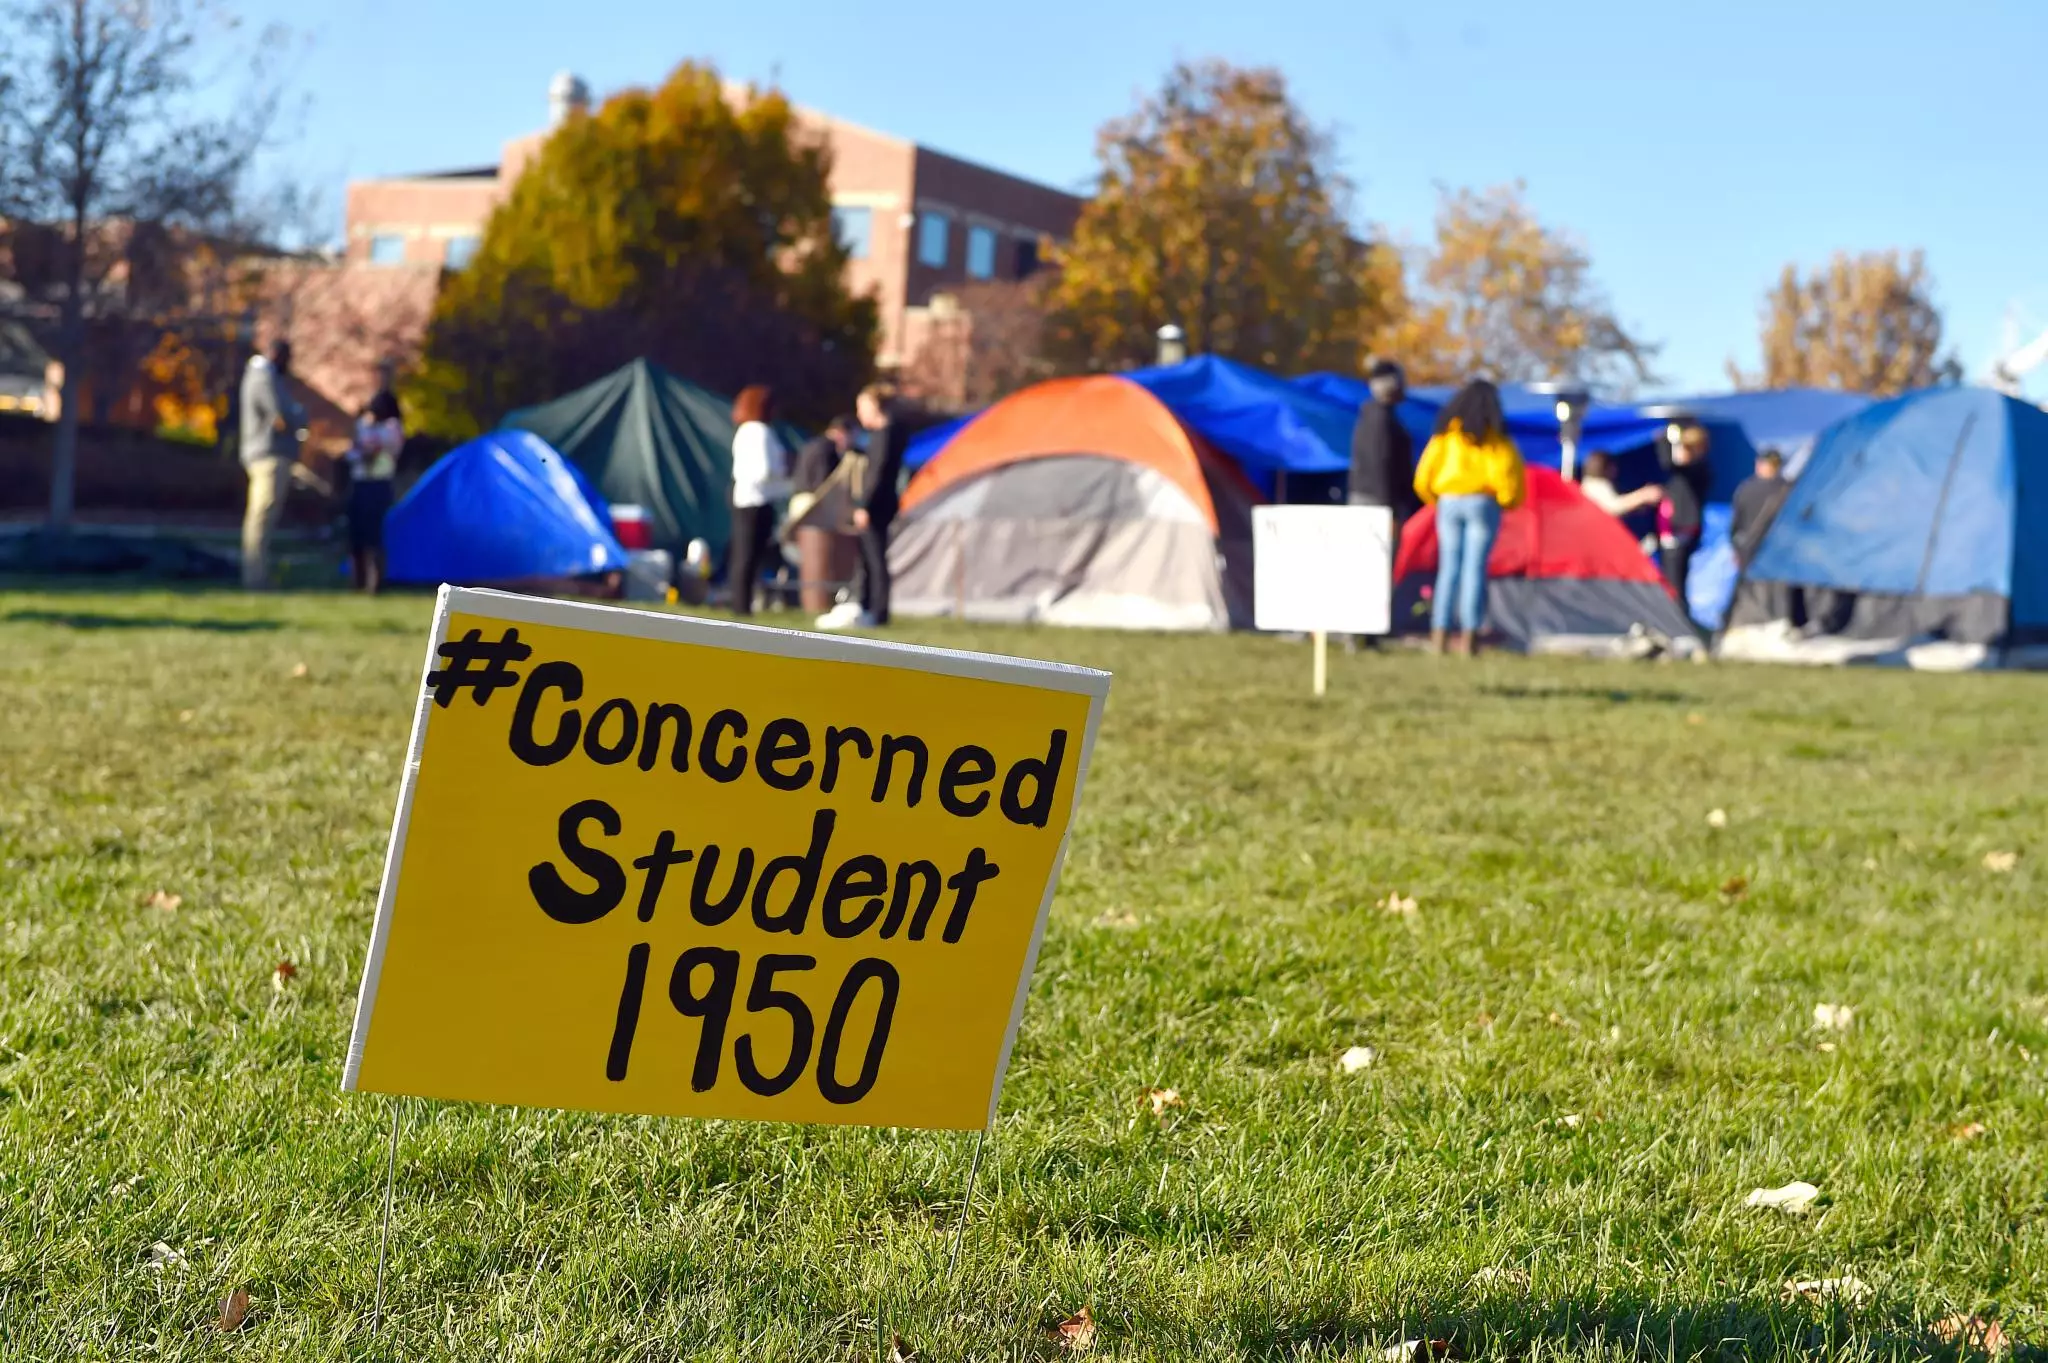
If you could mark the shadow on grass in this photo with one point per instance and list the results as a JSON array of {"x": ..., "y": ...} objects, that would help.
[
  {"x": 1634, "y": 1328},
  {"x": 1613, "y": 695},
  {"x": 99, "y": 620}
]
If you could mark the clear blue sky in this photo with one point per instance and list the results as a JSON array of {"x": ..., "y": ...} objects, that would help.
[{"x": 1693, "y": 149}]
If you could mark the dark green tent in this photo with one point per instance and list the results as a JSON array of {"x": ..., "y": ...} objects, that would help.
[{"x": 648, "y": 438}]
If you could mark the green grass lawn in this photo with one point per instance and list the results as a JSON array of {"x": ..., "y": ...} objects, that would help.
[{"x": 1594, "y": 1033}]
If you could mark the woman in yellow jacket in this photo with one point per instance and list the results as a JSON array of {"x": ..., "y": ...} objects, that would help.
[{"x": 1470, "y": 472}]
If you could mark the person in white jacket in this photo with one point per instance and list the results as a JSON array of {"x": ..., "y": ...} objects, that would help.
[{"x": 760, "y": 478}]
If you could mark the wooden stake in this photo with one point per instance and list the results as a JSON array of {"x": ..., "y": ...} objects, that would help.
[{"x": 1322, "y": 666}]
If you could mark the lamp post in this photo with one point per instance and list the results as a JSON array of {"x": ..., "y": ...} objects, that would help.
[
  {"x": 1173, "y": 345},
  {"x": 1572, "y": 402}
]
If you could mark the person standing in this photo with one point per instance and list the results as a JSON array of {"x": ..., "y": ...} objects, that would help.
[
  {"x": 1756, "y": 505},
  {"x": 1382, "y": 452},
  {"x": 272, "y": 426},
  {"x": 1470, "y": 472},
  {"x": 1683, "y": 509},
  {"x": 760, "y": 474},
  {"x": 373, "y": 464},
  {"x": 1596, "y": 480},
  {"x": 875, "y": 499}
]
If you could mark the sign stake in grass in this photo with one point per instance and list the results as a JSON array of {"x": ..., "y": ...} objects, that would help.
[
  {"x": 650, "y": 864},
  {"x": 384, "y": 1237}
]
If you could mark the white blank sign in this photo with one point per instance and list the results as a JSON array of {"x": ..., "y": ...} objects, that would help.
[{"x": 1323, "y": 568}]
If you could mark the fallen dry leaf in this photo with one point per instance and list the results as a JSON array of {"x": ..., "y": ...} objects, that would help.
[
  {"x": 899, "y": 1352},
  {"x": 1499, "y": 1275},
  {"x": 2001, "y": 861},
  {"x": 1695, "y": 717},
  {"x": 1735, "y": 887},
  {"x": 1571, "y": 1121},
  {"x": 1419, "y": 1350},
  {"x": 1826, "y": 1048},
  {"x": 1483, "y": 1020},
  {"x": 1847, "y": 1290},
  {"x": 1076, "y": 1332},
  {"x": 1162, "y": 1099},
  {"x": 1972, "y": 1332},
  {"x": 1560, "y": 1020},
  {"x": 162, "y": 1255},
  {"x": 234, "y": 1309},
  {"x": 301, "y": 670},
  {"x": 1793, "y": 1199},
  {"x": 1717, "y": 818},
  {"x": 1358, "y": 1058},
  {"x": 285, "y": 971},
  {"x": 1966, "y": 1131},
  {"x": 1395, "y": 903},
  {"x": 1833, "y": 1017},
  {"x": 187, "y": 716},
  {"x": 163, "y": 899}
]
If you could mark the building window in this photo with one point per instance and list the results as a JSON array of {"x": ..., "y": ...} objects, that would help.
[
  {"x": 855, "y": 229},
  {"x": 387, "y": 248},
  {"x": 460, "y": 251},
  {"x": 981, "y": 252},
  {"x": 1027, "y": 257},
  {"x": 934, "y": 236}
]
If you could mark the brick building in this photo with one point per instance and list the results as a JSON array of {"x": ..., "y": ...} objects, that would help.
[{"x": 916, "y": 221}]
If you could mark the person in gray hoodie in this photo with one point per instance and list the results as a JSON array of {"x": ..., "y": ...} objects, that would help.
[{"x": 272, "y": 422}]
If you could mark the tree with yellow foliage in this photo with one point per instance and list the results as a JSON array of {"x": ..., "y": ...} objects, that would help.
[
  {"x": 1499, "y": 295},
  {"x": 673, "y": 223},
  {"x": 1218, "y": 208},
  {"x": 1866, "y": 323}
]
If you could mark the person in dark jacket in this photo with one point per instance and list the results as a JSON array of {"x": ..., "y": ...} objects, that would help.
[
  {"x": 821, "y": 454},
  {"x": 1756, "y": 505},
  {"x": 876, "y": 498},
  {"x": 1684, "y": 507},
  {"x": 1382, "y": 454}
]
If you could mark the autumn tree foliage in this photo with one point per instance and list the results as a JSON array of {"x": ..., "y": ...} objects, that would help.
[
  {"x": 1498, "y": 294},
  {"x": 1864, "y": 323},
  {"x": 120, "y": 145},
  {"x": 1218, "y": 208},
  {"x": 674, "y": 223}
]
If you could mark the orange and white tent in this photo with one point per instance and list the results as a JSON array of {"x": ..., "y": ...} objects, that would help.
[{"x": 1077, "y": 501}]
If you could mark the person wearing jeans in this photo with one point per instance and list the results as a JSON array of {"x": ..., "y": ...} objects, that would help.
[
  {"x": 1470, "y": 472},
  {"x": 1466, "y": 526}
]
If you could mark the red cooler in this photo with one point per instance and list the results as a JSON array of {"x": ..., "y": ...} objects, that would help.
[{"x": 631, "y": 525}]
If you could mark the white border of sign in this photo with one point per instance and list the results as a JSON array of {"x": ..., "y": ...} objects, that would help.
[{"x": 780, "y": 643}]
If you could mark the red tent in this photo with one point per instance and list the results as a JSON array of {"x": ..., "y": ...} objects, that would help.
[{"x": 1561, "y": 567}]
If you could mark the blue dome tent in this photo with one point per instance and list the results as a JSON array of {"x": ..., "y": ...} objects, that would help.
[
  {"x": 1921, "y": 521},
  {"x": 503, "y": 508}
]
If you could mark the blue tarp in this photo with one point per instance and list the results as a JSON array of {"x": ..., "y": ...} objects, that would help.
[
  {"x": 1267, "y": 425},
  {"x": 1618, "y": 428},
  {"x": 1786, "y": 419},
  {"x": 502, "y": 508},
  {"x": 1938, "y": 493}
]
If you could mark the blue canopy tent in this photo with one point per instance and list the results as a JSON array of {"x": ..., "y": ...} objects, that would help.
[
  {"x": 1785, "y": 419},
  {"x": 1925, "y": 515},
  {"x": 1270, "y": 427},
  {"x": 503, "y": 508}
]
